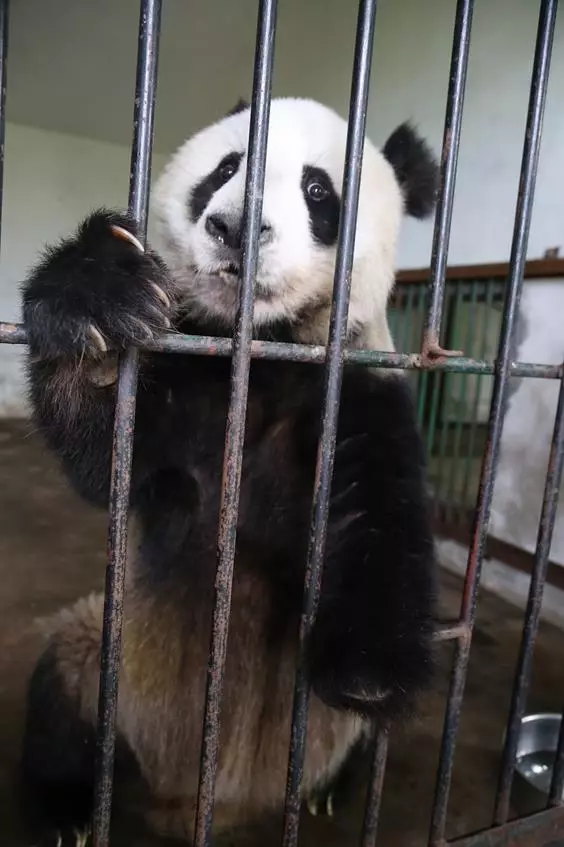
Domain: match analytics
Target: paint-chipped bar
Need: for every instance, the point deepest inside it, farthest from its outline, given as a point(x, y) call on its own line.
point(531, 148)
point(332, 388)
point(375, 786)
point(140, 175)
point(236, 416)
point(203, 345)
point(449, 160)
point(532, 615)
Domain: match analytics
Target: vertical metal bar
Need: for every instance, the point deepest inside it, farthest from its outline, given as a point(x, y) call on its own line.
point(375, 788)
point(451, 143)
point(532, 615)
point(143, 127)
point(454, 501)
point(4, 33)
point(432, 447)
point(236, 417)
point(467, 493)
point(556, 795)
point(529, 164)
point(444, 398)
point(332, 388)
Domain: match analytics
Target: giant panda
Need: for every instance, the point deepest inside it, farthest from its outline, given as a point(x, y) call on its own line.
point(370, 651)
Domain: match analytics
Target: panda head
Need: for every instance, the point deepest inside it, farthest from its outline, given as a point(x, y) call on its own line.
point(198, 207)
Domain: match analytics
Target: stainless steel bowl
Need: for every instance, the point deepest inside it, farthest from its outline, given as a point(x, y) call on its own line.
point(536, 747)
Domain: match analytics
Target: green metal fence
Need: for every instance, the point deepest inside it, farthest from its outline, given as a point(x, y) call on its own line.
point(452, 407)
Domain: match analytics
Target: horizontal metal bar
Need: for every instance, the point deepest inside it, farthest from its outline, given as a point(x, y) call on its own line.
point(450, 632)
point(204, 345)
point(236, 417)
point(532, 614)
point(544, 829)
point(523, 212)
point(123, 433)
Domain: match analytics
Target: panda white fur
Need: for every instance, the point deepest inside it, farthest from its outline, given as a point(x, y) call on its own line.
point(370, 651)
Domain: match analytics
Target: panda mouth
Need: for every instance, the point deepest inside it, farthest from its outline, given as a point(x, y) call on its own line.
point(230, 272)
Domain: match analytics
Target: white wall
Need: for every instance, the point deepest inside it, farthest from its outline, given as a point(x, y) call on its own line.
point(528, 426)
point(50, 182)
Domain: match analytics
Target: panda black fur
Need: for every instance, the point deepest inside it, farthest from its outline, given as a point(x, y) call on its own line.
point(371, 647)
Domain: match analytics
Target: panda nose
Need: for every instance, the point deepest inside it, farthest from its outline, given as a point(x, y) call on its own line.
point(227, 230)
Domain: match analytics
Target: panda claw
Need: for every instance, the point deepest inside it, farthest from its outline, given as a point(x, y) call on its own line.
point(81, 838)
point(161, 295)
point(329, 805)
point(312, 806)
point(122, 233)
point(97, 338)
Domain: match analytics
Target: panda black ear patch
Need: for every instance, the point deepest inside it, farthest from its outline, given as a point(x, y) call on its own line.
point(416, 170)
point(240, 106)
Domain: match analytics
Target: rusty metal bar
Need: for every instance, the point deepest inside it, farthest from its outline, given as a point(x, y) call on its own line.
point(556, 795)
point(4, 33)
point(203, 345)
point(524, 207)
point(532, 615)
point(544, 828)
point(236, 418)
point(449, 160)
point(375, 788)
point(332, 389)
point(143, 128)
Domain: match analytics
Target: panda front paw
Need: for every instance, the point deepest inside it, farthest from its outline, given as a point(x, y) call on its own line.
point(376, 677)
point(97, 291)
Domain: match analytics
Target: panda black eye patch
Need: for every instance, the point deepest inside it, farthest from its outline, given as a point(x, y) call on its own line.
point(204, 190)
point(323, 204)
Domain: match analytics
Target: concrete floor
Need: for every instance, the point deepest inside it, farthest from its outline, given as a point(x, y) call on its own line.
point(52, 550)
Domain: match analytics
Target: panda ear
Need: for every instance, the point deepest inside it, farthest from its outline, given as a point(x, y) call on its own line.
point(240, 106)
point(416, 170)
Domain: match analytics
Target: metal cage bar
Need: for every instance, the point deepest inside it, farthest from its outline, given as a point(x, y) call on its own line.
point(524, 207)
point(375, 788)
point(332, 387)
point(532, 615)
point(122, 450)
point(236, 416)
point(202, 345)
point(449, 161)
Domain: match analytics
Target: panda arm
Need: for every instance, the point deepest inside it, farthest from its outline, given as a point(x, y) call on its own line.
point(370, 648)
point(93, 293)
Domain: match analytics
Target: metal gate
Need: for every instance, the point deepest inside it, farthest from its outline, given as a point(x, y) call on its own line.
point(544, 828)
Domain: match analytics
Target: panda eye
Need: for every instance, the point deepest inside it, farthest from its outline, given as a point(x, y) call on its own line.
point(227, 171)
point(228, 167)
point(317, 191)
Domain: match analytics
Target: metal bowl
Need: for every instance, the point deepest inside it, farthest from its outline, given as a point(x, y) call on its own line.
point(536, 748)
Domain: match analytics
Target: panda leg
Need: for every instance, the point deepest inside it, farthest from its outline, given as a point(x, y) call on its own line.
point(59, 745)
point(57, 766)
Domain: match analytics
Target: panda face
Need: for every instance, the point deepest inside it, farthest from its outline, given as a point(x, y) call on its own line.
point(198, 207)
